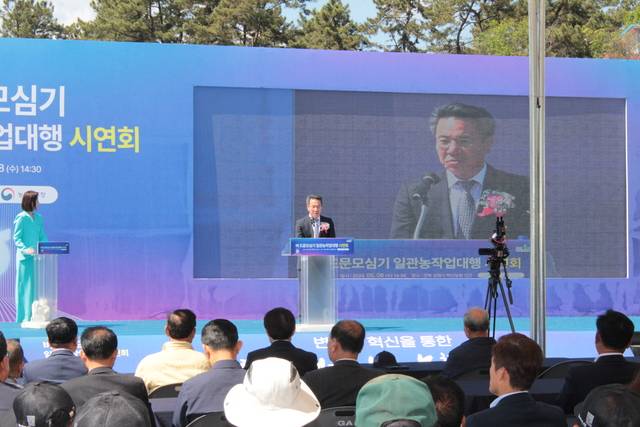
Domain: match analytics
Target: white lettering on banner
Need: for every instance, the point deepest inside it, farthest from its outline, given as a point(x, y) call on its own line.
point(25, 100)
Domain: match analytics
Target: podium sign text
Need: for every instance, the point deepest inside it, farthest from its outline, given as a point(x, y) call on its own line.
point(324, 246)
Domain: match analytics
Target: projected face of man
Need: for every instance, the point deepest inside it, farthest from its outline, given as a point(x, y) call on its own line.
point(461, 146)
point(314, 207)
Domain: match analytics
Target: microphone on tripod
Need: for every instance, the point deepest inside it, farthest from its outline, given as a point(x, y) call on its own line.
point(420, 193)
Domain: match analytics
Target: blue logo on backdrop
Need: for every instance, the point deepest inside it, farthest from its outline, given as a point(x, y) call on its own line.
point(7, 194)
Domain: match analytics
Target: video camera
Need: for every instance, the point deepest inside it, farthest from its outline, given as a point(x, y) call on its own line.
point(499, 241)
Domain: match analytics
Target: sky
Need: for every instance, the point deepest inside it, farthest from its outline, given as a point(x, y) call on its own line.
point(67, 11)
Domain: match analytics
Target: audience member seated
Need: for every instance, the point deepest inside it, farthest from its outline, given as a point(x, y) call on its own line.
point(395, 397)
point(280, 326)
point(62, 364)
point(611, 405)
point(613, 336)
point(99, 352)
point(475, 353)
point(515, 362)
point(385, 360)
point(178, 361)
point(205, 393)
point(449, 400)
point(16, 362)
point(272, 394)
point(43, 404)
point(113, 409)
point(338, 385)
point(8, 391)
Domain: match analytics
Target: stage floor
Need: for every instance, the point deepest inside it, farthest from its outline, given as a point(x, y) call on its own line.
point(411, 340)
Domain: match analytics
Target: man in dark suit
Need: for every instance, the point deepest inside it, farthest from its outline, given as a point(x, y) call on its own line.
point(62, 364)
point(205, 392)
point(515, 362)
point(8, 392)
point(338, 385)
point(474, 353)
point(613, 336)
point(468, 195)
point(99, 352)
point(314, 224)
point(280, 325)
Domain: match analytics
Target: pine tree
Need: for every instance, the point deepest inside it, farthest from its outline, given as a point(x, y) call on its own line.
point(29, 19)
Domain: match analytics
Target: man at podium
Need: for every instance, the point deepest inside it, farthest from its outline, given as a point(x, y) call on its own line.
point(314, 224)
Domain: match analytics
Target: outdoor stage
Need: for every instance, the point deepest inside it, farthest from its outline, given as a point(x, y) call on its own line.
point(411, 340)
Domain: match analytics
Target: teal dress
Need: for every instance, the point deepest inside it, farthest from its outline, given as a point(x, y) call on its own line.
point(27, 232)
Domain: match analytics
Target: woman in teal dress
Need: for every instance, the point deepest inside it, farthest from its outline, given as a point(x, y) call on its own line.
point(28, 230)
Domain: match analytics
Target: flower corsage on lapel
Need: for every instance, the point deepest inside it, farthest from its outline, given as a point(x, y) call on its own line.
point(494, 202)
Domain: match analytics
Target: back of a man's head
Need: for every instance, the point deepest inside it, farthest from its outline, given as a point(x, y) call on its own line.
point(220, 334)
point(449, 400)
point(615, 330)
point(62, 331)
point(4, 364)
point(98, 343)
point(3, 346)
point(113, 409)
point(611, 405)
point(349, 334)
point(476, 321)
point(181, 324)
point(16, 358)
point(42, 404)
point(520, 356)
point(280, 323)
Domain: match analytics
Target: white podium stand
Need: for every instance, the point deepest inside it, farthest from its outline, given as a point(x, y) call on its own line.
point(45, 304)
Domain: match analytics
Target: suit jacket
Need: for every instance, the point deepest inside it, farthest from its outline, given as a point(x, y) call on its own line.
point(518, 410)
point(8, 392)
point(304, 229)
point(338, 385)
point(472, 354)
point(581, 380)
point(103, 379)
point(205, 392)
point(439, 220)
point(60, 366)
point(304, 361)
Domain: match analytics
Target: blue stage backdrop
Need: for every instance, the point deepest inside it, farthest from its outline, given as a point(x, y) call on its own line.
point(177, 172)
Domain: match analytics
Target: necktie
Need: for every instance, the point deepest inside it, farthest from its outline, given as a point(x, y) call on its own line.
point(316, 228)
point(466, 210)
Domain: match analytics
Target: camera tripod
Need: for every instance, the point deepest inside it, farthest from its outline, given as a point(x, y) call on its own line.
point(497, 259)
point(494, 285)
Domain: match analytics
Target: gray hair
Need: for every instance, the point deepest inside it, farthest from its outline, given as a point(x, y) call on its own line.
point(313, 196)
point(484, 119)
point(476, 323)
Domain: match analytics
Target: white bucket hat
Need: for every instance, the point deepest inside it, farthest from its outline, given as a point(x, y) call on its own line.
point(272, 394)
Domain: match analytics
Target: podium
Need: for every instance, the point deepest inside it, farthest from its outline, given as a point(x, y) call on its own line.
point(317, 278)
point(45, 304)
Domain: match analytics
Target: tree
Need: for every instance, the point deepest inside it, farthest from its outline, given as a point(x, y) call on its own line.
point(507, 37)
point(331, 27)
point(135, 20)
point(403, 22)
point(29, 19)
point(249, 23)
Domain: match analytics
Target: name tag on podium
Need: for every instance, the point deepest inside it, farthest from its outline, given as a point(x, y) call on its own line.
point(323, 246)
point(53, 248)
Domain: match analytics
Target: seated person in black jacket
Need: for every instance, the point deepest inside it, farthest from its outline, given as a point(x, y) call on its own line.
point(515, 362)
point(280, 326)
point(613, 336)
point(338, 385)
point(474, 353)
